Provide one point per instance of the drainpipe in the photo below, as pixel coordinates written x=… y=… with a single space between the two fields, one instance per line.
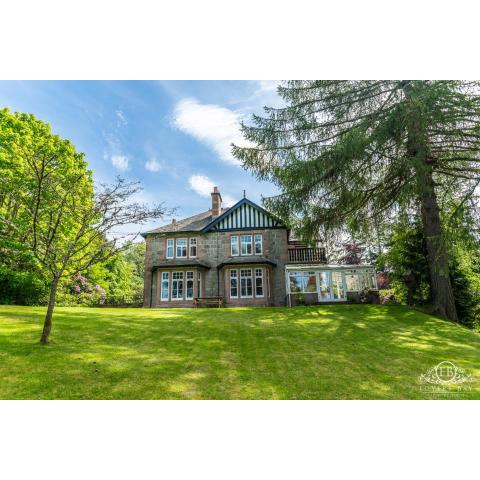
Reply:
x=218 y=272
x=151 y=288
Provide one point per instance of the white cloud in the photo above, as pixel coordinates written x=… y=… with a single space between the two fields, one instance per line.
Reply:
x=228 y=200
x=121 y=118
x=216 y=126
x=203 y=185
x=152 y=165
x=120 y=162
x=268 y=85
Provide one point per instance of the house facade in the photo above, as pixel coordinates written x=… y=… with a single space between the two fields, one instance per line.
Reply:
x=244 y=256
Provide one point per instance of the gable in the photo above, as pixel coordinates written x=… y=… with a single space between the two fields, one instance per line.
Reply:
x=245 y=214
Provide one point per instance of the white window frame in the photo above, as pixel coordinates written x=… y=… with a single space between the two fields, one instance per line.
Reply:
x=170 y=244
x=246 y=277
x=258 y=240
x=199 y=284
x=304 y=275
x=192 y=242
x=246 y=254
x=162 y=298
x=234 y=240
x=189 y=277
x=232 y=278
x=181 y=246
x=259 y=275
x=176 y=281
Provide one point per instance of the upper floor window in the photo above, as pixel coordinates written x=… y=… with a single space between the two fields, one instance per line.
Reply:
x=193 y=247
x=258 y=245
x=170 y=248
x=181 y=247
x=246 y=244
x=234 y=245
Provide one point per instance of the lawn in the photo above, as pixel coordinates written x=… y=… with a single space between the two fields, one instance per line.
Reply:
x=331 y=351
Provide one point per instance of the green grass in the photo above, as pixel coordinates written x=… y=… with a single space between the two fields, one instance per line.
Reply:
x=331 y=351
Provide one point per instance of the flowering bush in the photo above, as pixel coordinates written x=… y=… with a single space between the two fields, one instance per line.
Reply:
x=86 y=293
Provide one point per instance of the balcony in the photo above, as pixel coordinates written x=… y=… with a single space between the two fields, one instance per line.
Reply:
x=307 y=255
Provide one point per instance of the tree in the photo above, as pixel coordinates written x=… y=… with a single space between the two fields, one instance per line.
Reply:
x=66 y=223
x=406 y=260
x=353 y=253
x=354 y=152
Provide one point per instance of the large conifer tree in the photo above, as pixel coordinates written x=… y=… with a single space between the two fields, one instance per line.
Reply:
x=354 y=152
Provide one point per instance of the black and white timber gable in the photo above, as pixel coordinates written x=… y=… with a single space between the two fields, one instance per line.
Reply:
x=244 y=215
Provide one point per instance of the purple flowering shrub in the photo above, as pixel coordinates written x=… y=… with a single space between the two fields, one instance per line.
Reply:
x=85 y=292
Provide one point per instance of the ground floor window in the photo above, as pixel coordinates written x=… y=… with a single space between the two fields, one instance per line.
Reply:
x=331 y=284
x=165 y=286
x=233 y=284
x=259 y=282
x=199 y=284
x=177 y=286
x=302 y=282
x=360 y=280
x=337 y=286
x=246 y=284
x=189 y=295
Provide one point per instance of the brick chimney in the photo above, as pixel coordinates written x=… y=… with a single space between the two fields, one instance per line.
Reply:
x=216 y=203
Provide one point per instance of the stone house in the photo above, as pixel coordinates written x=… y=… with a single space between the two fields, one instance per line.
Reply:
x=244 y=256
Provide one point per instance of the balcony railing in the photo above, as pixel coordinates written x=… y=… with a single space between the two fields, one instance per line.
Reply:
x=307 y=255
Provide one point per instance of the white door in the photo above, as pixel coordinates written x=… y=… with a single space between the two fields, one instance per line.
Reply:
x=324 y=288
x=338 y=288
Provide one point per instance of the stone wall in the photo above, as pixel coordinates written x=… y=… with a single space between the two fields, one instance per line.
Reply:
x=214 y=248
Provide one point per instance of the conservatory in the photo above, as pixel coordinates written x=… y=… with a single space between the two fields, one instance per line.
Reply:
x=327 y=283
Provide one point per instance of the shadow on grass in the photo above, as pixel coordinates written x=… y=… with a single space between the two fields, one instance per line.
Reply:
x=334 y=351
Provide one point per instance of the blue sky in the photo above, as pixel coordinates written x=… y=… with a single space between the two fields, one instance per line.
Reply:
x=173 y=136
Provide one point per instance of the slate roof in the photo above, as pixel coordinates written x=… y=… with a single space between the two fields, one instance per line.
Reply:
x=246 y=261
x=196 y=223
x=177 y=262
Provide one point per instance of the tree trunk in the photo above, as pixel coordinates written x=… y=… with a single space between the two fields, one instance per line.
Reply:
x=440 y=284
x=47 y=325
x=417 y=148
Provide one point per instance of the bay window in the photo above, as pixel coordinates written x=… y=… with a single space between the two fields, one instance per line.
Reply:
x=246 y=287
x=189 y=291
x=233 y=284
x=177 y=286
x=259 y=282
x=164 y=287
x=199 y=284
